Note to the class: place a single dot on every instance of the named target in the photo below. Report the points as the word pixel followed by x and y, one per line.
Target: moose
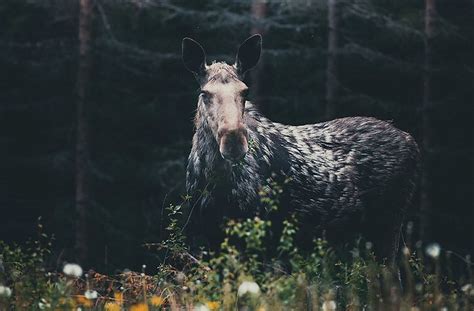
pixel 346 177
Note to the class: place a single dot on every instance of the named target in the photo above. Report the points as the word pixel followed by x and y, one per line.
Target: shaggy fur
pixel 344 177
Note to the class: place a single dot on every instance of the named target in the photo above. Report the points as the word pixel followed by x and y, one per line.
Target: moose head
pixel 223 93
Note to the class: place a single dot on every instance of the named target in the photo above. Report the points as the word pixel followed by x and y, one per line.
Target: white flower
pixel 248 287
pixel 44 304
pixel 329 305
pixel 466 288
pixel 368 245
pixel 406 251
pixel 72 269
pixel 419 287
pixel 201 307
pixel 5 291
pixel 433 250
pixel 90 294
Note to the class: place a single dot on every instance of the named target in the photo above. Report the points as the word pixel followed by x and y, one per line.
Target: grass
pixel 242 277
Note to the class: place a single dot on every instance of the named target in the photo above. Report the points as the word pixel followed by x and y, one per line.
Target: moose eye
pixel 205 95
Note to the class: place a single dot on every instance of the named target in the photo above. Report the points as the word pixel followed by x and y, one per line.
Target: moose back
pixel 345 177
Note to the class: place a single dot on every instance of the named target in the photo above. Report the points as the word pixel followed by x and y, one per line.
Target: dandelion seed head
pixel 43 304
pixel 72 269
pixel 248 287
pixel 419 287
pixel 466 288
pixel 368 245
pixel 329 305
pixel 201 307
pixel 433 250
pixel 406 251
pixel 5 291
pixel 90 294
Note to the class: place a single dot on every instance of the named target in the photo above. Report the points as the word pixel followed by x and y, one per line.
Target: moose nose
pixel 233 144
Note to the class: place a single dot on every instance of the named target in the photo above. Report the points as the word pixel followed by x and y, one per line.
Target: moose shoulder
pixel 347 176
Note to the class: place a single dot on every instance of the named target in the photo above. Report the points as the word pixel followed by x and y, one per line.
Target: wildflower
pixel 406 251
pixel 90 294
pixel 466 288
pixel 139 307
pixel 5 291
pixel 368 245
pixel 248 287
pixel 72 269
pixel 43 304
pixel 419 287
pixel 111 306
pixel 118 296
pixel 156 301
pixel 201 307
pixel 329 305
pixel 82 300
pixel 433 250
pixel 212 305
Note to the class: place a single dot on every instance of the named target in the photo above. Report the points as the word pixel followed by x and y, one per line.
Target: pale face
pixel 222 101
pixel 222 98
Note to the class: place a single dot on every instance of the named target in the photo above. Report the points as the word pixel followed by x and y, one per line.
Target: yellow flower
pixel 139 307
pixel 82 300
pixel 156 301
pixel 118 296
pixel 111 306
pixel 212 305
pixel 66 302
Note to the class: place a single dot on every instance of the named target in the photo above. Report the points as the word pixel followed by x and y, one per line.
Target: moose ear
pixel 249 54
pixel 194 57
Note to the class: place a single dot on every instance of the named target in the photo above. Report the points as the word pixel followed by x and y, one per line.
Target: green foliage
pixel 25 267
pixel 242 274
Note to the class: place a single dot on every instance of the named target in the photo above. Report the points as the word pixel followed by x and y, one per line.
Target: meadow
pixel 242 276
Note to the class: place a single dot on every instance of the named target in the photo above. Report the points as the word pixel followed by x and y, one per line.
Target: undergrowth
pixel 240 276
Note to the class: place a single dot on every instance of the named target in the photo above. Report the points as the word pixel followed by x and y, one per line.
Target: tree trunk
pixel 258 12
pixel 427 144
pixel 82 139
pixel 332 84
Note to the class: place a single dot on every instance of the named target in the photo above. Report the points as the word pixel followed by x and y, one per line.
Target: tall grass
pixel 241 276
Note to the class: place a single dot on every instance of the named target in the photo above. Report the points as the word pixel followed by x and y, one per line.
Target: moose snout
pixel 233 143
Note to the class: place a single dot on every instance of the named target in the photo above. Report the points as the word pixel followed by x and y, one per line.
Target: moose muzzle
pixel 233 143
